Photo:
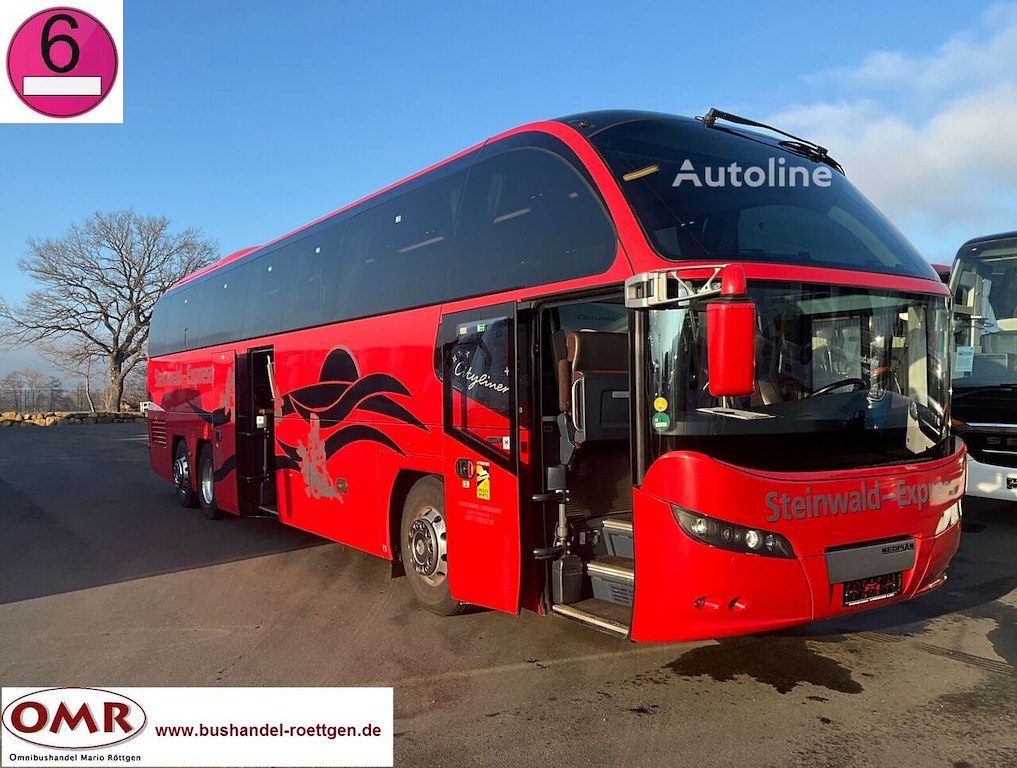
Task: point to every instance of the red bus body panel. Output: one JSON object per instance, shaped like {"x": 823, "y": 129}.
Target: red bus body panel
{"x": 687, "y": 590}
{"x": 391, "y": 345}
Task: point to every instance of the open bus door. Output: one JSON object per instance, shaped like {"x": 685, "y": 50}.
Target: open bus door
{"x": 477, "y": 354}
{"x": 255, "y": 425}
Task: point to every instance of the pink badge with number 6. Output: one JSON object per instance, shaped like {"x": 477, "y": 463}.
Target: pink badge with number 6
{"x": 62, "y": 62}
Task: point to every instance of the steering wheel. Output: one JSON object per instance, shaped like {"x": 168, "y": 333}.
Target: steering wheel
{"x": 858, "y": 384}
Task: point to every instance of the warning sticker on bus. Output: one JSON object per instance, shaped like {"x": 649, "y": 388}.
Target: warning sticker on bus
{"x": 484, "y": 480}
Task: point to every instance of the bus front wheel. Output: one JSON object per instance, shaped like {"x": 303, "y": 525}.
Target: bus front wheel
{"x": 424, "y": 547}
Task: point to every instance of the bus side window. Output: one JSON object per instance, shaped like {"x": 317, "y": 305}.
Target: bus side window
{"x": 199, "y": 312}
{"x": 356, "y": 268}
{"x": 266, "y": 295}
{"x": 529, "y": 218}
{"x": 167, "y": 326}
{"x": 313, "y": 266}
{"x": 479, "y": 368}
{"x": 215, "y": 305}
{"x": 403, "y": 254}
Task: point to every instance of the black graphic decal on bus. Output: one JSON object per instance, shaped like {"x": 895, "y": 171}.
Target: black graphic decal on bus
{"x": 325, "y": 405}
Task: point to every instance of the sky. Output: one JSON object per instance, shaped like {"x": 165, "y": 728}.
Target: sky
{"x": 247, "y": 120}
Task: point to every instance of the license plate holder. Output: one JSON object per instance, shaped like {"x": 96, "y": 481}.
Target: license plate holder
{"x": 868, "y": 590}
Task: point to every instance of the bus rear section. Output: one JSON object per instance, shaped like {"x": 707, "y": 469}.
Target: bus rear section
{"x": 984, "y": 286}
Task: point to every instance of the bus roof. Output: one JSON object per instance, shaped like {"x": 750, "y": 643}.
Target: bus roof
{"x": 245, "y": 251}
{"x": 586, "y": 124}
{"x": 987, "y": 239}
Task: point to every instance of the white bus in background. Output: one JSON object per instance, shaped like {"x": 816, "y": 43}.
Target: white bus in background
{"x": 983, "y": 281}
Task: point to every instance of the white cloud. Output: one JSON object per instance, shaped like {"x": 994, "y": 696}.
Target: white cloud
{"x": 988, "y": 50}
{"x": 931, "y": 139}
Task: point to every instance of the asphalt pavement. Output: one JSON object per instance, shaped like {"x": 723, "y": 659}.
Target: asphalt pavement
{"x": 105, "y": 580}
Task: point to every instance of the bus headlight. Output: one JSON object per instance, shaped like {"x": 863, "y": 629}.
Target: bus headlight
{"x": 731, "y": 536}
{"x": 753, "y": 539}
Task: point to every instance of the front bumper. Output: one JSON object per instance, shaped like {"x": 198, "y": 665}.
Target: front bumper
{"x": 687, "y": 590}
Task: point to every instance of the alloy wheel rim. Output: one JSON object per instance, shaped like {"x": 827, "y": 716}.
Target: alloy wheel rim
{"x": 427, "y": 546}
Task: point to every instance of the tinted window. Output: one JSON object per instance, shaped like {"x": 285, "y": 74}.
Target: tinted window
{"x": 161, "y": 335}
{"x": 312, "y": 278}
{"x": 526, "y": 217}
{"x": 266, "y": 294}
{"x": 400, "y": 253}
{"x": 680, "y": 178}
{"x": 477, "y": 371}
{"x": 201, "y": 312}
{"x": 216, "y": 304}
{"x": 188, "y": 316}
{"x": 480, "y": 364}
{"x": 529, "y": 218}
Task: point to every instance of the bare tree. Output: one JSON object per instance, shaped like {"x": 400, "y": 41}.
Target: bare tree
{"x": 11, "y": 391}
{"x": 34, "y": 389}
{"x": 98, "y": 285}
{"x": 30, "y": 390}
{"x": 81, "y": 360}
{"x": 136, "y": 386}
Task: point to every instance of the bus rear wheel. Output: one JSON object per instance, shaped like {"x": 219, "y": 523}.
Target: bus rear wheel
{"x": 424, "y": 547}
{"x": 206, "y": 484}
{"x": 182, "y": 476}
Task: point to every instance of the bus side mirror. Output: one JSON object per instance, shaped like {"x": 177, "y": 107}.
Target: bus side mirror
{"x": 731, "y": 349}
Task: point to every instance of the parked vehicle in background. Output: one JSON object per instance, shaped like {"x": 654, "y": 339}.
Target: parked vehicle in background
{"x": 984, "y": 285}
{"x": 672, "y": 378}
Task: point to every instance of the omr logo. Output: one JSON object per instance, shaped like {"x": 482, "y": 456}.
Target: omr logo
{"x": 74, "y": 718}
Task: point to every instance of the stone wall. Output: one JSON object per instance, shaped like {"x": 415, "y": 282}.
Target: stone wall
{"x": 52, "y": 418}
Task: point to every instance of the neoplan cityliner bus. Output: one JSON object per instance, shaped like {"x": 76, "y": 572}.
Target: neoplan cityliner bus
{"x": 673, "y": 378}
{"x": 984, "y": 285}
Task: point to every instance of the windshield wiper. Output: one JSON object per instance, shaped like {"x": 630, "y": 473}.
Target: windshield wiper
{"x": 796, "y": 144}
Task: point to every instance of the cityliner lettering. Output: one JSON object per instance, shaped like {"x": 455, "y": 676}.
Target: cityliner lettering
{"x": 478, "y": 379}
{"x": 866, "y": 498}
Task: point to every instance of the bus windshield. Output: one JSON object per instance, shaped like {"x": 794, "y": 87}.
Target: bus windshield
{"x": 984, "y": 285}
{"x": 845, "y": 377}
{"x": 709, "y": 194}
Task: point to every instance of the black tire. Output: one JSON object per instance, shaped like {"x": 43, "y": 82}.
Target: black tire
{"x": 206, "y": 485}
{"x": 182, "y": 476}
{"x": 422, "y": 547}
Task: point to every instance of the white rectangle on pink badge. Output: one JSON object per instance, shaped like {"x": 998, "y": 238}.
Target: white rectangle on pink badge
{"x": 62, "y": 86}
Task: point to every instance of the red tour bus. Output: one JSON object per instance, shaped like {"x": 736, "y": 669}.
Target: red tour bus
{"x": 673, "y": 378}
